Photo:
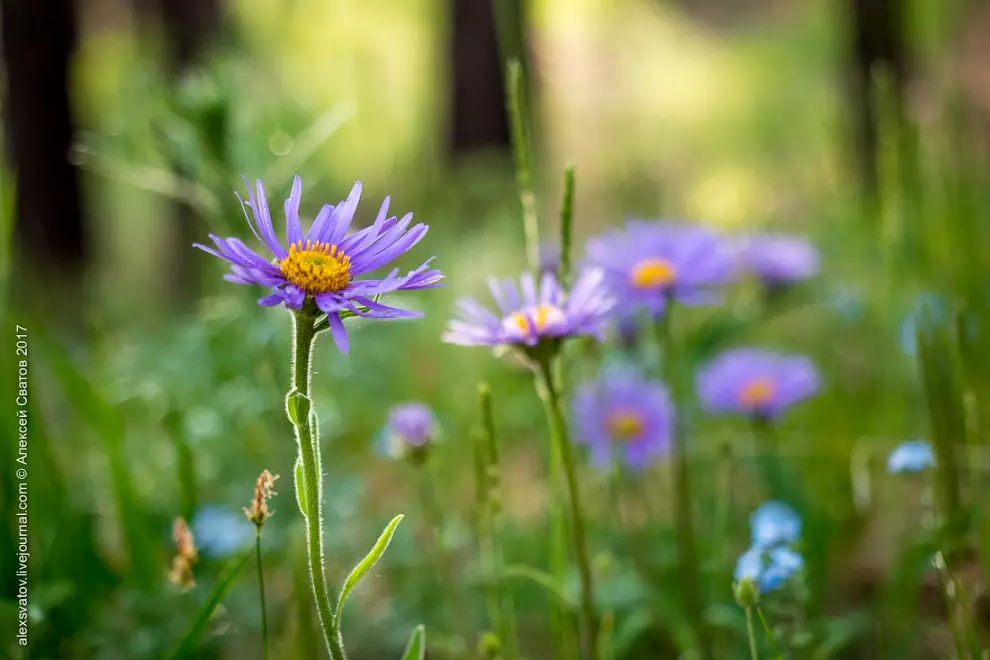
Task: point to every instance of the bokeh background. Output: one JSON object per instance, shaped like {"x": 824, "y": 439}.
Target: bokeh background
{"x": 158, "y": 389}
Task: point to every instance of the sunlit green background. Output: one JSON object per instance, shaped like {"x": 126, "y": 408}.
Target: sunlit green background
{"x": 148, "y": 403}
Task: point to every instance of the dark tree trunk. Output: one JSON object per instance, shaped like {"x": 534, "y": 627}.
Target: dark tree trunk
{"x": 39, "y": 39}
{"x": 477, "y": 112}
{"x": 877, "y": 43}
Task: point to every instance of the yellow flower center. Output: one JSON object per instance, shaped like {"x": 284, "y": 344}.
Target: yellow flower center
{"x": 757, "y": 392}
{"x": 544, "y": 315}
{"x": 653, "y": 274}
{"x": 316, "y": 267}
{"x": 625, "y": 425}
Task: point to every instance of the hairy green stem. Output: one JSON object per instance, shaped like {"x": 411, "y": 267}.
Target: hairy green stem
{"x": 683, "y": 500}
{"x": 501, "y": 608}
{"x": 304, "y": 331}
{"x": 550, "y": 393}
{"x": 261, "y": 592}
{"x": 751, "y": 633}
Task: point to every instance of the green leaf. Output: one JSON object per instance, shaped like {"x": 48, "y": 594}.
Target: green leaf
{"x": 301, "y": 489}
{"x": 367, "y": 563}
{"x": 543, "y": 580}
{"x": 297, "y": 405}
{"x": 216, "y": 597}
{"x": 416, "y": 648}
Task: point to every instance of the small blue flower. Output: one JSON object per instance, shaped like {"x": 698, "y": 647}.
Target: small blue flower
{"x": 221, "y": 532}
{"x": 774, "y": 523}
{"x": 784, "y": 564}
{"x": 771, "y": 569}
{"x": 911, "y": 457}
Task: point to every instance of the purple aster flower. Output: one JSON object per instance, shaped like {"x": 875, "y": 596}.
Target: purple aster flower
{"x": 778, "y": 260}
{"x": 770, "y": 569}
{"x": 754, "y": 382}
{"x": 530, "y": 314}
{"x": 626, "y": 416}
{"x": 774, "y": 523}
{"x": 411, "y": 428}
{"x": 911, "y": 457}
{"x": 647, "y": 262}
{"x": 324, "y": 263}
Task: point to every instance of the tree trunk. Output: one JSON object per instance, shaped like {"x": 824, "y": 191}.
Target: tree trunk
{"x": 877, "y": 43}
{"x": 477, "y": 111}
{"x": 39, "y": 39}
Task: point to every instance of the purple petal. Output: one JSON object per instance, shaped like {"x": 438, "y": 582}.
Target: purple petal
{"x": 338, "y": 331}
{"x": 343, "y": 215}
{"x": 320, "y": 225}
{"x": 293, "y": 225}
{"x": 385, "y": 312}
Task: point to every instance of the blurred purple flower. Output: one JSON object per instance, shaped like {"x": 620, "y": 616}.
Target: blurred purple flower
{"x": 774, "y": 523}
{"x": 911, "y": 457}
{"x": 647, "y": 262}
{"x": 624, "y": 416}
{"x": 322, "y": 264}
{"x": 550, "y": 258}
{"x": 411, "y": 427}
{"x": 757, "y": 383}
{"x": 531, "y": 313}
{"x": 777, "y": 259}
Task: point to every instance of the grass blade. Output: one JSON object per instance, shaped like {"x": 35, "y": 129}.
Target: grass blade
{"x": 216, "y": 597}
{"x": 416, "y": 648}
{"x": 367, "y": 563}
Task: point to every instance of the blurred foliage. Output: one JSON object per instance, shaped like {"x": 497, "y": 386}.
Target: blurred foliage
{"x": 144, "y": 414}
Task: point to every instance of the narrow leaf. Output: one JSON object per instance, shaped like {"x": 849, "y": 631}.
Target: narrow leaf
{"x": 416, "y": 648}
{"x": 367, "y": 563}
{"x": 301, "y": 489}
{"x": 219, "y": 592}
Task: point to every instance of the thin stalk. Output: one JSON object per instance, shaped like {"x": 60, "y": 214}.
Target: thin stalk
{"x": 522, "y": 149}
{"x": 550, "y": 393}
{"x": 751, "y": 633}
{"x": 501, "y": 607}
{"x": 683, "y": 499}
{"x": 433, "y": 517}
{"x": 261, "y": 592}
{"x": 561, "y": 617}
{"x": 567, "y": 226}
{"x": 304, "y": 332}
{"x": 768, "y": 633}
{"x": 767, "y": 459}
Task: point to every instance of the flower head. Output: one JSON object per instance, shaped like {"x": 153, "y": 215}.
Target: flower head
{"x": 777, "y": 259}
{"x": 757, "y": 383}
{"x": 625, "y": 416}
{"x": 769, "y": 568}
{"x": 411, "y": 428}
{"x": 324, "y": 264}
{"x": 774, "y": 523}
{"x": 186, "y": 555}
{"x": 647, "y": 262}
{"x": 531, "y": 314}
{"x": 911, "y": 457}
{"x": 263, "y": 491}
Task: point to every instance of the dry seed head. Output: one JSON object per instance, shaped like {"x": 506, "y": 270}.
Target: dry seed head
{"x": 258, "y": 513}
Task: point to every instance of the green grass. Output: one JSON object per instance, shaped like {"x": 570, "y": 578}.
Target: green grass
{"x": 153, "y": 412}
